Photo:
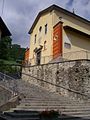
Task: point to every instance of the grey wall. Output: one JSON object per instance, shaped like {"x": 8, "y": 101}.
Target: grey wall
{"x": 70, "y": 75}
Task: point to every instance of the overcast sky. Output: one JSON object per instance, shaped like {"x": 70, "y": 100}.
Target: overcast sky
{"x": 20, "y": 14}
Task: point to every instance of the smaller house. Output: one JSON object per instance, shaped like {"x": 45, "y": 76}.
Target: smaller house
{"x": 4, "y": 31}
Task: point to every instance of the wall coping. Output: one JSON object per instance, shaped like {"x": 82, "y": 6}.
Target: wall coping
{"x": 56, "y": 63}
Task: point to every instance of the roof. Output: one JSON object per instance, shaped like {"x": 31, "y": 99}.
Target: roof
{"x": 4, "y": 29}
{"x": 55, "y": 7}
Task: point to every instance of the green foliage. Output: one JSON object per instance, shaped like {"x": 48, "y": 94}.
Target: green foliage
{"x": 9, "y": 51}
{"x": 1, "y": 65}
{"x": 9, "y": 68}
{"x": 17, "y": 53}
{"x": 10, "y": 54}
{"x": 5, "y": 46}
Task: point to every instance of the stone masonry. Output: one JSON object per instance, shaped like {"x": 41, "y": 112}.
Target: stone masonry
{"x": 70, "y": 77}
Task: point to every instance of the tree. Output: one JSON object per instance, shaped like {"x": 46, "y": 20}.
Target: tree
{"x": 17, "y": 53}
{"x": 5, "y": 46}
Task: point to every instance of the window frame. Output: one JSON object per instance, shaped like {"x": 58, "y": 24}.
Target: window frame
{"x": 46, "y": 25}
{"x": 35, "y": 38}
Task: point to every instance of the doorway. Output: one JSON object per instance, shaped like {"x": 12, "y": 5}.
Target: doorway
{"x": 38, "y": 58}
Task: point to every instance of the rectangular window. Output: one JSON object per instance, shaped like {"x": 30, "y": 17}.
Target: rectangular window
{"x": 35, "y": 38}
{"x": 45, "y": 45}
{"x": 40, "y": 29}
{"x": 46, "y": 29}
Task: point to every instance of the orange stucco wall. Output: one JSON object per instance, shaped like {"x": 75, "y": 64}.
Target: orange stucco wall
{"x": 57, "y": 40}
{"x": 27, "y": 54}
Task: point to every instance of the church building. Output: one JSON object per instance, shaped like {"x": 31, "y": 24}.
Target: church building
{"x": 57, "y": 35}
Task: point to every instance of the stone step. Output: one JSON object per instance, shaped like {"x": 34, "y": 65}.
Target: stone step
{"x": 49, "y": 99}
{"x": 76, "y": 113}
{"x": 51, "y": 102}
{"x": 54, "y": 107}
{"x": 39, "y": 99}
{"x": 10, "y": 118}
{"x": 61, "y": 117}
{"x": 24, "y": 114}
{"x": 67, "y": 117}
{"x": 58, "y": 106}
{"x": 64, "y": 109}
{"x": 23, "y": 111}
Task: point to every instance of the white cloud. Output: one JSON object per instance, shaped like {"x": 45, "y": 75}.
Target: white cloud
{"x": 82, "y": 8}
{"x": 20, "y": 14}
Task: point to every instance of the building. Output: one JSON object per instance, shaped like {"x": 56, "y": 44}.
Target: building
{"x": 26, "y": 59}
{"x": 58, "y": 34}
{"x": 4, "y": 31}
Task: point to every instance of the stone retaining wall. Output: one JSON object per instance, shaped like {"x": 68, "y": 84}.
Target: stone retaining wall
{"x": 70, "y": 75}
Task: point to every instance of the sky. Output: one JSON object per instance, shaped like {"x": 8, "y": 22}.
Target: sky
{"x": 19, "y": 15}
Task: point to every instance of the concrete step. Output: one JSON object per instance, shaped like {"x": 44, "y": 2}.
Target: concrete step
{"x": 49, "y": 99}
{"x": 20, "y": 115}
{"x": 24, "y": 114}
{"x": 56, "y": 106}
{"x": 53, "y": 102}
{"x": 53, "y": 107}
{"x": 39, "y": 99}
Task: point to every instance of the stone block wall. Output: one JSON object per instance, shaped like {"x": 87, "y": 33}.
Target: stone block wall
{"x": 72, "y": 77}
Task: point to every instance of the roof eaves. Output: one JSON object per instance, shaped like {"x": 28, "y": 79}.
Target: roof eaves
{"x": 39, "y": 15}
{"x": 4, "y": 28}
{"x": 71, "y": 14}
{"x": 55, "y": 7}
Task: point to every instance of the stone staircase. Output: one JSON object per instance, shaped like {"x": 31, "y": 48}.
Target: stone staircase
{"x": 37, "y": 99}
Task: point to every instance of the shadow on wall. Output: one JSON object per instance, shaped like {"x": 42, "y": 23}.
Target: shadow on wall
{"x": 78, "y": 41}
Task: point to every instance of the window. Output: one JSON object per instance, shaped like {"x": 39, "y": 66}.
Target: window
{"x": 45, "y": 45}
{"x": 67, "y": 45}
{"x": 46, "y": 29}
{"x": 40, "y": 29}
{"x": 35, "y": 38}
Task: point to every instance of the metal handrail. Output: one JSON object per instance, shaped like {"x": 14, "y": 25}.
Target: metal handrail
{"x": 9, "y": 88}
{"x": 71, "y": 90}
{"x": 12, "y": 85}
